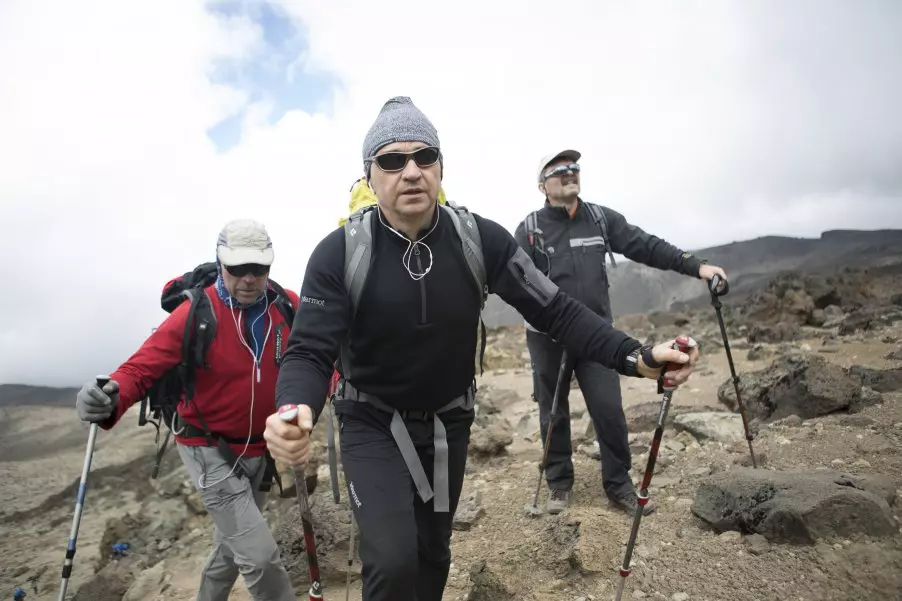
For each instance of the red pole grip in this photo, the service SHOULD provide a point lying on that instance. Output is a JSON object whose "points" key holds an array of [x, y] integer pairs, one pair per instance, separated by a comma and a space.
{"points": [[683, 344]]}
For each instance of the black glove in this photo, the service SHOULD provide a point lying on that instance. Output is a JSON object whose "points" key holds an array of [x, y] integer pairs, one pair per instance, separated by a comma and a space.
{"points": [[95, 404]]}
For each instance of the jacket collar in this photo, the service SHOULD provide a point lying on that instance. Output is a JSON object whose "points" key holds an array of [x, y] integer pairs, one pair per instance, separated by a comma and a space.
{"points": [[560, 213]]}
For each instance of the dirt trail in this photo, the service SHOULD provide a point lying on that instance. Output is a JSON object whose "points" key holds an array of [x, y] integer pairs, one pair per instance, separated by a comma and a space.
{"points": [[570, 557]]}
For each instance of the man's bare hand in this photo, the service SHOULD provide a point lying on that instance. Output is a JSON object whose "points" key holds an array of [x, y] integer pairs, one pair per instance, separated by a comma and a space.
{"points": [[679, 365], [706, 272], [289, 443]]}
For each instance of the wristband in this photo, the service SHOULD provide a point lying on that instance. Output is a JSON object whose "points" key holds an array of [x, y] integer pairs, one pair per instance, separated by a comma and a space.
{"points": [[632, 361], [648, 358]]}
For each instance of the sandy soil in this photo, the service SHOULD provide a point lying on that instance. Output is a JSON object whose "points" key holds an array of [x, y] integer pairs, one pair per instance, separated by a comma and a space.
{"points": [[677, 557]]}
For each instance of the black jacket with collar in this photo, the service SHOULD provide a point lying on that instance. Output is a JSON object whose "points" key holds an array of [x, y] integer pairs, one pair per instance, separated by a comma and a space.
{"points": [[575, 250]]}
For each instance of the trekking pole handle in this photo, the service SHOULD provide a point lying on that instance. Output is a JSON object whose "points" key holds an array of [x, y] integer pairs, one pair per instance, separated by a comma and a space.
{"points": [[102, 381], [288, 413], [683, 344], [718, 286]]}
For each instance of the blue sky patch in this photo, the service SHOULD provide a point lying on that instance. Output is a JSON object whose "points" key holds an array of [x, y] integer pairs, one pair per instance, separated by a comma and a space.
{"points": [[274, 74]]}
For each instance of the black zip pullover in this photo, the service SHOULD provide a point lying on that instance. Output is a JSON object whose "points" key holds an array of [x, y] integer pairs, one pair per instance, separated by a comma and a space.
{"points": [[413, 343]]}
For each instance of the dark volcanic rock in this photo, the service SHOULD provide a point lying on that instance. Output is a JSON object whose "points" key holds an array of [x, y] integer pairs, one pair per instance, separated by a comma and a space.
{"points": [[780, 332], [113, 581], [806, 385], [881, 380], [486, 585], [797, 507]]}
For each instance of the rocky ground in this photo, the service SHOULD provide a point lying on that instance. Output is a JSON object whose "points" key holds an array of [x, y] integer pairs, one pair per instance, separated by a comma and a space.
{"points": [[820, 363]]}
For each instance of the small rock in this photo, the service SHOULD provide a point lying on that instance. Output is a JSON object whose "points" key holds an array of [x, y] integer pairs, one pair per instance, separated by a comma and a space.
{"points": [[639, 594], [147, 584], [789, 421], [593, 451], [674, 446], [721, 426], [665, 481], [469, 510], [869, 396], [729, 536], [680, 597], [757, 544]]}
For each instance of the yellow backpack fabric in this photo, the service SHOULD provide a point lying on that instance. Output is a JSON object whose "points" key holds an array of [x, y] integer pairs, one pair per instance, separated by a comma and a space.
{"points": [[362, 196]]}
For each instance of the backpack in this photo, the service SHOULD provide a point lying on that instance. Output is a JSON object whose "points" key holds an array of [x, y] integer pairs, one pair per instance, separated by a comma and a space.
{"points": [[534, 235], [363, 196], [159, 405], [358, 251]]}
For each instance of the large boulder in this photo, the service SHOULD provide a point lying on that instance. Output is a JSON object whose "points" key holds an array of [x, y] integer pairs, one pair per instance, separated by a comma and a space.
{"points": [[803, 384], [797, 506]]}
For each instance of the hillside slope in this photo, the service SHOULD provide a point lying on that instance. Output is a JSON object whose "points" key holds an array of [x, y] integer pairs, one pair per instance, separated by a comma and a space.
{"points": [[750, 264]]}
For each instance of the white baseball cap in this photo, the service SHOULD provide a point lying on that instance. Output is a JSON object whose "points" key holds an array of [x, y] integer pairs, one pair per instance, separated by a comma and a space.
{"points": [[244, 241], [573, 155]]}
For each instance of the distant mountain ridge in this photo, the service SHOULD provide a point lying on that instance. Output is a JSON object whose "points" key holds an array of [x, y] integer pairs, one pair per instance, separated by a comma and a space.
{"points": [[635, 288], [749, 264], [26, 394]]}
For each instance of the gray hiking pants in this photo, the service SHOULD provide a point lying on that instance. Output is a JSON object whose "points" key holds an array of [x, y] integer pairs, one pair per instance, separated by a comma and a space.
{"points": [[242, 541], [601, 389]]}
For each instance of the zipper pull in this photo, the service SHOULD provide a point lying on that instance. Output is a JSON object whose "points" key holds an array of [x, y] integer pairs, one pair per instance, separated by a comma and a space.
{"points": [[258, 373], [416, 250]]}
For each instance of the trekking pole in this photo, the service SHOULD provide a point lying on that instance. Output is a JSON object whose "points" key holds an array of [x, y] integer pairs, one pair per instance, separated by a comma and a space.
{"points": [[720, 287], [80, 501], [289, 413], [350, 559], [533, 510], [683, 344]]}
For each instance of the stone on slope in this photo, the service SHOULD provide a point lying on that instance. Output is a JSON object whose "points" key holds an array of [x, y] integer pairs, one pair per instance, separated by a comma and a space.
{"points": [[806, 385], [486, 585], [797, 506], [720, 426]]}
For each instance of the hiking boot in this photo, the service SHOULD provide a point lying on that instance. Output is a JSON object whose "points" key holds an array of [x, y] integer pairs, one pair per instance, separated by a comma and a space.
{"points": [[628, 502], [558, 501]]}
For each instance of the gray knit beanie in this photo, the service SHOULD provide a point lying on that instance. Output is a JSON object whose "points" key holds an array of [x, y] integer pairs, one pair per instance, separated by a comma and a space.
{"points": [[398, 121]]}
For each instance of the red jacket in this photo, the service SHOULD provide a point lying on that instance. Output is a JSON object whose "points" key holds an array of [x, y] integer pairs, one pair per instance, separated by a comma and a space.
{"points": [[224, 391]]}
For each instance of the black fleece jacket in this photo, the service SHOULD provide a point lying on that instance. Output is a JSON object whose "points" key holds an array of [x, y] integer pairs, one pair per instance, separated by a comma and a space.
{"points": [[413, 343], [575, 258]]}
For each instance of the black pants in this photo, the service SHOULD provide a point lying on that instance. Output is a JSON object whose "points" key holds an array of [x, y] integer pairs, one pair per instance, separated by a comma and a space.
{"points": [[601, 388], [405, 546]]}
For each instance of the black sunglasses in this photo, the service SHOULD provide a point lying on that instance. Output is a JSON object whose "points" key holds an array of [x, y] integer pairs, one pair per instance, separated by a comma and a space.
{"points": [[396, 161], [239, 271], [562, 169]]}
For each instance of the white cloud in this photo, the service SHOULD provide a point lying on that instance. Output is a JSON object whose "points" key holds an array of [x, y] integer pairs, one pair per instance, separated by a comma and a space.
{"points": [[703, 123]]}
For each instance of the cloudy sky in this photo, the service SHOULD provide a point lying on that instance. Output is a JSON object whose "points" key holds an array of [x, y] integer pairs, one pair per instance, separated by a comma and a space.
{"points": [[131, 131]]}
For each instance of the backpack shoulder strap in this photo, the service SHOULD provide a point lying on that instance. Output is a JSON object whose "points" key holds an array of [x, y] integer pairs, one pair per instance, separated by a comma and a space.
{"points": [[598, 217], [471, 240], [532, 228], [358, 252], [358, 231], [282, 302], [200, 327]]}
